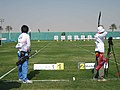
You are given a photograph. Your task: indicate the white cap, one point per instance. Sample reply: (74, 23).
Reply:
(100, 29)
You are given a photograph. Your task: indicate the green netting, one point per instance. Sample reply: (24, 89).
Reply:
(50, 35)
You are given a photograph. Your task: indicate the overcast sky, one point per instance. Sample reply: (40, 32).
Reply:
(59, 15)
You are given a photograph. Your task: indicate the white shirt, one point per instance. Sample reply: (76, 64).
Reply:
(99, 41)
(23, 42)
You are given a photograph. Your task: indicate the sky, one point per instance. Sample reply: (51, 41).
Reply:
(59, 15)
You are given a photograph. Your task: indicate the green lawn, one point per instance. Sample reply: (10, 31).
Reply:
(51, 52)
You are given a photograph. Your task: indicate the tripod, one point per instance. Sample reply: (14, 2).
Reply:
(110, 48)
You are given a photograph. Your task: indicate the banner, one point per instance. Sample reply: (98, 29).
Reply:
(57, 66)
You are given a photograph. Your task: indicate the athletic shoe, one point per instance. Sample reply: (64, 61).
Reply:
(27, 81)
(95, 79)
(102, 79)
(20, 80)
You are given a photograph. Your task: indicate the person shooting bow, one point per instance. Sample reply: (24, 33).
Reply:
(99, 51)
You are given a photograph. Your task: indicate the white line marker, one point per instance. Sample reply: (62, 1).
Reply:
(62, 80)
(16, 66)
(56, 80)
(8, 72)
(39, 50)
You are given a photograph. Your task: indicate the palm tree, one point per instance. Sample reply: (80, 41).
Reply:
(1, 29)
(113, 27)
(63, 34)
(9, 29)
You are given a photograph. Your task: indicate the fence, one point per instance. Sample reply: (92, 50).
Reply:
(50, 35)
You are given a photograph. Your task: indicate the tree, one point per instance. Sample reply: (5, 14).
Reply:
(1, 29)
(113, 27)
(63, 34)
(9, 29)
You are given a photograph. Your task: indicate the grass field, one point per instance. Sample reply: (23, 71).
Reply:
(69, 53)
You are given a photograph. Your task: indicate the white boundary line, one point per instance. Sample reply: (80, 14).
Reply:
(16, 66)
(39, 50)
(63, 80)
(8, 72)
(56, 80)
(51, 80)
(108, 79)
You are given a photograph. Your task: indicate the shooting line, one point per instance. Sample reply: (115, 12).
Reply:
(62, 80)
(54, 80)
(29, 57)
